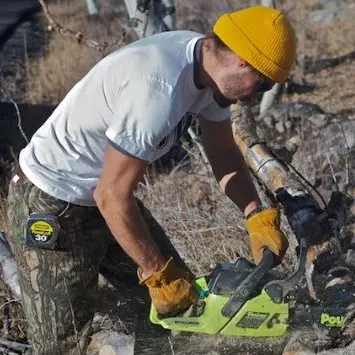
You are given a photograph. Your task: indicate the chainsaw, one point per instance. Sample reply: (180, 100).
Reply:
(242, 299)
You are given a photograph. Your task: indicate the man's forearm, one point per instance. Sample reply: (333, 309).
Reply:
(130, 230)
(234, 178)
(228, 164)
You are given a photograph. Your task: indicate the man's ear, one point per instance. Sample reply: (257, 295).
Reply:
(242, 63)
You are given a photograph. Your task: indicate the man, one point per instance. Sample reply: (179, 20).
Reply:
(79, 173)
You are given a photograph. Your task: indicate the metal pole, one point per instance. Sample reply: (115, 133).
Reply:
(270, 96)
(92, 7)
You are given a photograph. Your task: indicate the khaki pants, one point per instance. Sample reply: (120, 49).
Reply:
(60, 287)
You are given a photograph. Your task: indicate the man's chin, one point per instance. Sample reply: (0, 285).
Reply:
(223, 102)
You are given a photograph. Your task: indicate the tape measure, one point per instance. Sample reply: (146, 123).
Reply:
(42, 231)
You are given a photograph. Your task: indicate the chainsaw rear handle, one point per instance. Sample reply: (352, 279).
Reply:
(269, 260)
(243, 292)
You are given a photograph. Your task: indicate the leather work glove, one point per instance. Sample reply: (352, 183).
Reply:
(170, 289)
(264, 232)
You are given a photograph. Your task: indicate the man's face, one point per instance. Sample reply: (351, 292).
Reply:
(240, 83)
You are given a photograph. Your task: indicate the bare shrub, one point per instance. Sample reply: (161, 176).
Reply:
(63, 70)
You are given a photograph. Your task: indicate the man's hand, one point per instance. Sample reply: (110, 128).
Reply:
(170, 289)
(264, 232)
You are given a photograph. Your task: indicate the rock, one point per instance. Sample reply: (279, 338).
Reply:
(331, 10)
(111, 343)
(108, 350)
(293, 143)
(280, 127)
(350, 258)
(285, 119)
(319, 120)
(350, 349)
(294, 110)
(288, 125)
(269, 121)
(321, 15)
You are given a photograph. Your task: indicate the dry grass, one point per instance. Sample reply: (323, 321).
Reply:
(65, 62)
(323, 40)
(320, 39)
(44, 72)
(204, 225)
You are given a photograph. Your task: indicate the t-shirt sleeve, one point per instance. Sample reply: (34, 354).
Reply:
(141, 120)
(214, 113)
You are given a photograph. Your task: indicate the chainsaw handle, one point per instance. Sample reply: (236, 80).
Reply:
(245, 289)
(269, 259)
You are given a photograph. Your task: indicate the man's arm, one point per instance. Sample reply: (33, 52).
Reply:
(115, 200)
(233, 176)
(169, 285)
(228, 164)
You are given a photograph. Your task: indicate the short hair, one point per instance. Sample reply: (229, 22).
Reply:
(218, 42)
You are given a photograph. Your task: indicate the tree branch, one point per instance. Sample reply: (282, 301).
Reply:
(18, 114)
(53, 25)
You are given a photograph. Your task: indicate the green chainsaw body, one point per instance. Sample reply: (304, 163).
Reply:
(259, 316)
(244, 299)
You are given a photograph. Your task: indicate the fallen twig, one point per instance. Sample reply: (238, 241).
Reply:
(13, 345)
(198, 144)
(73, 316)
(333, 173)
(6, 319)
(171, 345)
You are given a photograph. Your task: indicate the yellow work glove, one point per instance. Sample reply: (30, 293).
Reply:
(170, 289)
(264, 232)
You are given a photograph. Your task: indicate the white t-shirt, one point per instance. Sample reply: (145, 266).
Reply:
(140, 99)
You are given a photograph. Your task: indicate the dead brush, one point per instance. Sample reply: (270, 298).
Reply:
(203, 224)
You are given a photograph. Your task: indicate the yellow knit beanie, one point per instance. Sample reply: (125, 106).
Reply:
(262, 36)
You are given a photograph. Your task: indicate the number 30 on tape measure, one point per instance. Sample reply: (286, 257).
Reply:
(42, 231)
